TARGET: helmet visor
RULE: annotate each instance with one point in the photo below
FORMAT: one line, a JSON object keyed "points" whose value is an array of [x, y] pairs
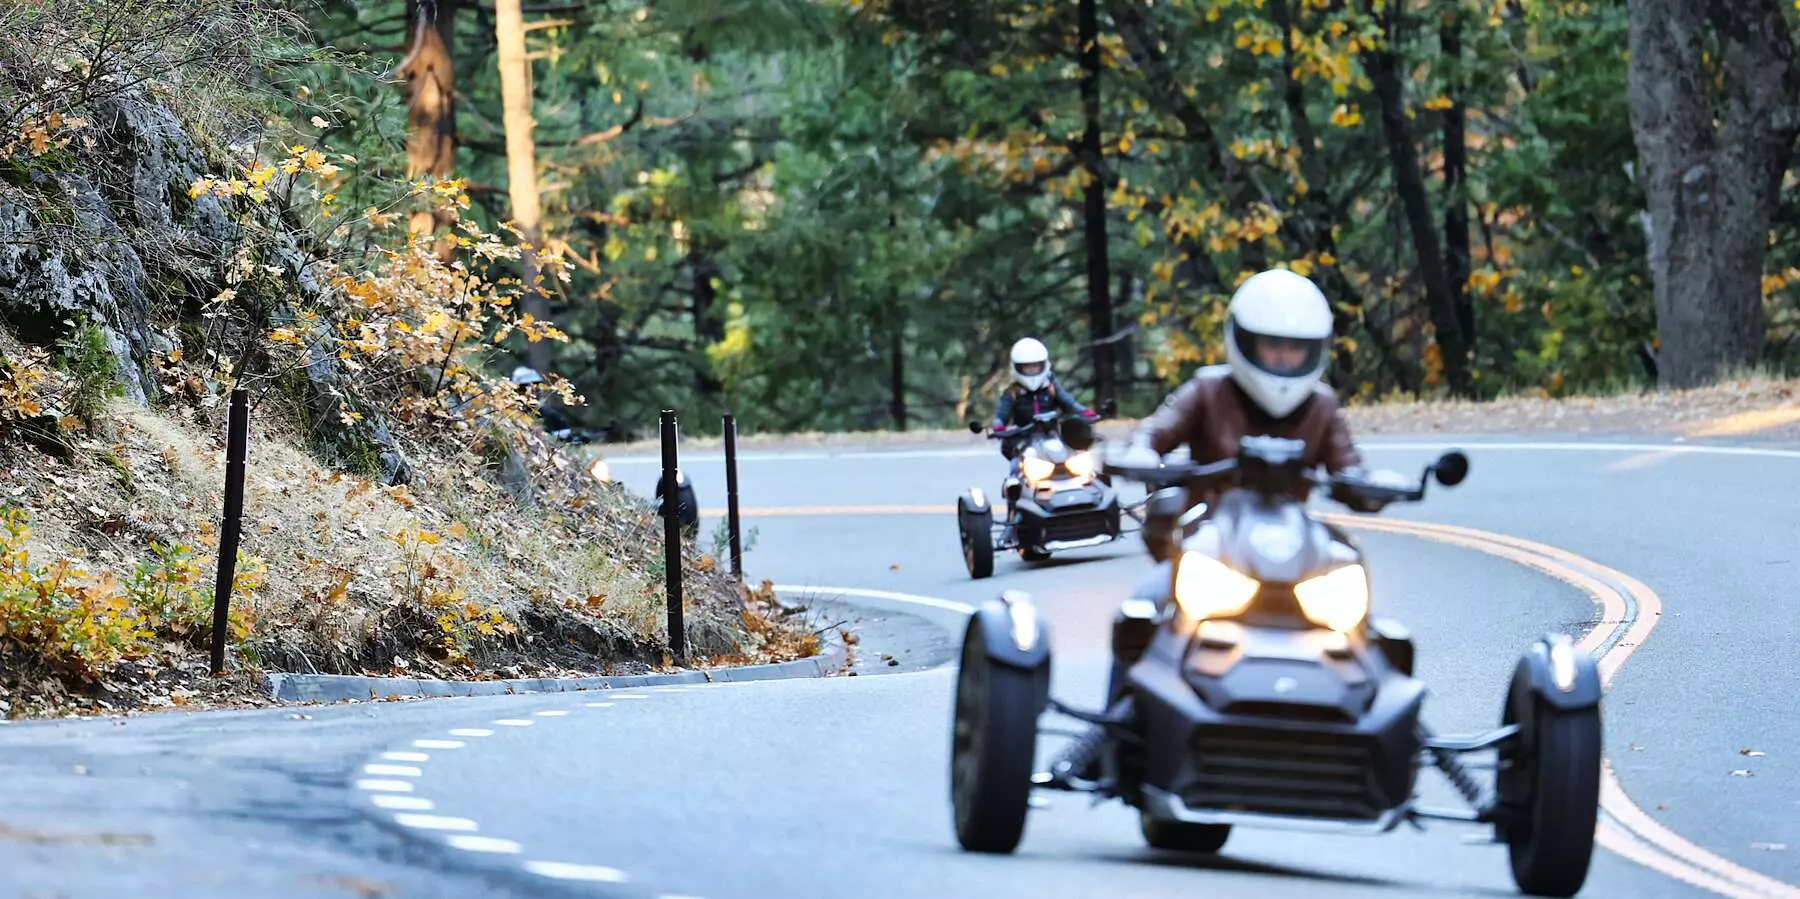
{"points": [[1283, 357], [1029, 369]]}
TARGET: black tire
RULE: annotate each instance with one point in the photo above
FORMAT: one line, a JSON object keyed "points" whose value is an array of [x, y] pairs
{"points": [[1550, 786], [1032, 555], [1180, 836], [977, 546], [993, 746]]}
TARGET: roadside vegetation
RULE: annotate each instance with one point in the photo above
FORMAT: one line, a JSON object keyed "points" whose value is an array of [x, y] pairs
{"points": [[822, 216]]}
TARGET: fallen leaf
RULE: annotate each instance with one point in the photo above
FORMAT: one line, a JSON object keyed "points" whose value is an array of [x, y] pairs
{"points": [[1742, 772], [1749, 752], [893, 568]]}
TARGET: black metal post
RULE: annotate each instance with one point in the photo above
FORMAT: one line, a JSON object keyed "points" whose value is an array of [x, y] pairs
{"points": [[671, 509], [731, 499], [237, 447]]}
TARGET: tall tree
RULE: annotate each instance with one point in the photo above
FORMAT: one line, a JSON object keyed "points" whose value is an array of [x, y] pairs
{"points": [[521, 161], [1100, 309], [1715, 134], [429, 72]]}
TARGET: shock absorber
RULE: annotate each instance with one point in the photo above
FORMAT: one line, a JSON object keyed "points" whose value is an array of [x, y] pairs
{"points": [[1459, 777]]}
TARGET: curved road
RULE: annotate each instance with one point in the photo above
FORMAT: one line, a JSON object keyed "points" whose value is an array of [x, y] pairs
{"points": [[839, 786]]}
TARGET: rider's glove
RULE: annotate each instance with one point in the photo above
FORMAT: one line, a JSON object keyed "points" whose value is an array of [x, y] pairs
{"points": [[1136, 456]]}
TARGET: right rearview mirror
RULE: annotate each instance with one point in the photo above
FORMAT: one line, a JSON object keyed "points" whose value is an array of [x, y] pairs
{"points": [[1451, 468], [974, 427]]}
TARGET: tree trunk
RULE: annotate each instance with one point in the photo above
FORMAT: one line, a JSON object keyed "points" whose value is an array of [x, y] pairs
{"points": [[1456, 191], [1409, 178], [1125, 350], [897, 373], [1711, 191], [429, 71], [521, 162], [709, 325], [1100, 311]]}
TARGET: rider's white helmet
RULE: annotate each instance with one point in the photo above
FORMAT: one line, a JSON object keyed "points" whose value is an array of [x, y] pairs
{"points": [[525, 374], [1030, 364], [1277, 333]]}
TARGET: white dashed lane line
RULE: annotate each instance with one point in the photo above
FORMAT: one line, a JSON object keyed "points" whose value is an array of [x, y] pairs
{"points": [[414, 812], [393, 770], [565, 871]]}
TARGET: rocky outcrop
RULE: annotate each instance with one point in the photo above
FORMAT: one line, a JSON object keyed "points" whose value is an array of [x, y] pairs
{"points": [[104, 232]]}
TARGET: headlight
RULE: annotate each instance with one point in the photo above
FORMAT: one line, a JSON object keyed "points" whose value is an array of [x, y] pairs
{"points": [[1206, 588], [600, 471], [1037, 469], [1081, 465], [1337, 600]]}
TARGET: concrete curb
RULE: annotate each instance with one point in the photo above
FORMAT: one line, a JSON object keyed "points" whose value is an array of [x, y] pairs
{"points": [[289, 687]]}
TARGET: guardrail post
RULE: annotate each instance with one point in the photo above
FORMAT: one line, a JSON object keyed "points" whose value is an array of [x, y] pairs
{"points": [[732, 522], [237, 448], [671, 509]]}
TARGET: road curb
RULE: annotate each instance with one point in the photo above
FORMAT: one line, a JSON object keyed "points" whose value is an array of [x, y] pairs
{"points": [[290, 687]]}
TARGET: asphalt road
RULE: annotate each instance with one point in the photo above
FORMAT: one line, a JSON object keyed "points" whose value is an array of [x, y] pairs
{"points": [[839, 786]]}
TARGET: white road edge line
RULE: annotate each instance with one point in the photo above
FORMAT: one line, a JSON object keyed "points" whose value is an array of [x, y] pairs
{"points": [[513, 722], [552, 713], [407, 756]]}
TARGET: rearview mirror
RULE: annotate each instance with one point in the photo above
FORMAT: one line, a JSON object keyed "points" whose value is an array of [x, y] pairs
{"points": [[1109, 407], [974, 427], [1451, 468]]}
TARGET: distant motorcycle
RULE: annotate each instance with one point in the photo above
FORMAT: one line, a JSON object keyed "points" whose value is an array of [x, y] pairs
{"points": [[1060, 500]]}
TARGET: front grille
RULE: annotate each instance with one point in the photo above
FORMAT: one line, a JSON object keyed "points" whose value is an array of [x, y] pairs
{"points": [[1075, 527], [1269, 771]]}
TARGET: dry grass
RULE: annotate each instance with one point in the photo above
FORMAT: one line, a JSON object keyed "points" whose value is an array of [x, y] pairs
{"points": [[495, 590]]}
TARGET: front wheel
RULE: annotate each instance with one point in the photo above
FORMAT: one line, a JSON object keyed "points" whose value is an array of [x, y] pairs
{"points": [[1032, 555], [977, 546], [1180, 836], [1550, 786], [993, 746]]}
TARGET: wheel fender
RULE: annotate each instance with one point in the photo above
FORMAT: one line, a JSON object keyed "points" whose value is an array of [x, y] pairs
{"points": [[974, 503], [1560, 674], [1016, 635]]}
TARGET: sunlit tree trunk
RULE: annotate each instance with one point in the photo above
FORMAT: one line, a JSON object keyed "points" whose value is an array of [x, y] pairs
{"points": [[521, 161]]}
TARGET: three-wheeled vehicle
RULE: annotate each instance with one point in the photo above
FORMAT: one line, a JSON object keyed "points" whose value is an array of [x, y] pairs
{"points": [[1060, 500], [1257, 691]]}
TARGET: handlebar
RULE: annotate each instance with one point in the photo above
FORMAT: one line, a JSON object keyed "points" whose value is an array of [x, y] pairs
{"points": [[1037, 421], [1357, 488]]}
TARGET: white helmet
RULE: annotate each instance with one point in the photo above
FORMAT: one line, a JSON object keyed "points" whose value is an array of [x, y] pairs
{"points": [[1030, 364], [525, 374], [1277, 331]]}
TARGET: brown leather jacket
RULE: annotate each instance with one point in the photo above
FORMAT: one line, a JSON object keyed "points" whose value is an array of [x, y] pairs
{"points": [[1210, 414]]}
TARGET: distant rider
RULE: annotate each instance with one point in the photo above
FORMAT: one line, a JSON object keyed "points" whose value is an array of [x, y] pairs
{"points": [[1033, 390], [1278, 332], [555, 422]]}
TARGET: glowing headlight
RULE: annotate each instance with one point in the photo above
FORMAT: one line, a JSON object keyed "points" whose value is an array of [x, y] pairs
{"points": [[1206, 588], [600, 471], [1081, 465], [1037, 469], [1337, 599]]}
